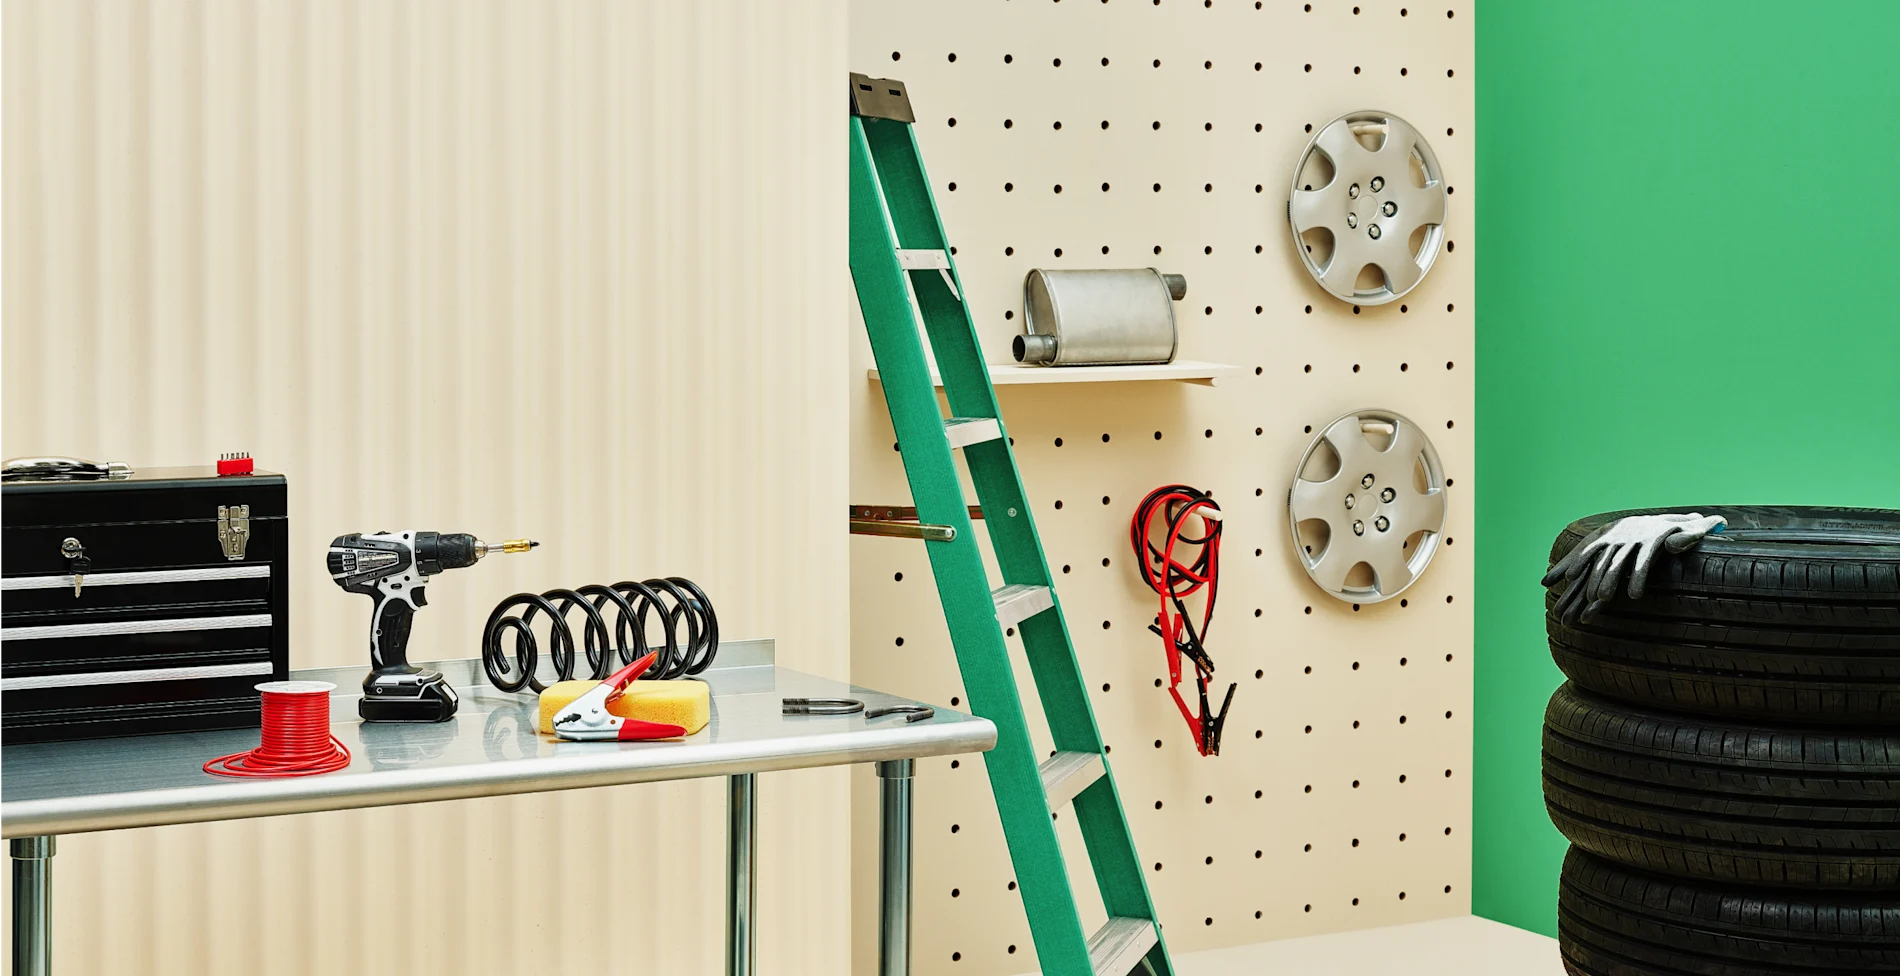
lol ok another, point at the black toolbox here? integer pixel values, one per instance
(182, 610)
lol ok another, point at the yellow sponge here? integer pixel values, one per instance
(684, 703)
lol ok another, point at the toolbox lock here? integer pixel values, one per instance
(234, 530)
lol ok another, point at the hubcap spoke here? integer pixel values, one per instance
(1401, 272)
(1319, 208)
(1388, 564)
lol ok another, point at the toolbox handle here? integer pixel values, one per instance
(60, 468)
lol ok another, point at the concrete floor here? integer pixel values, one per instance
(1465, 946)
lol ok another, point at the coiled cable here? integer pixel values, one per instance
(295, 735)
(670, 602)
(1176, 506)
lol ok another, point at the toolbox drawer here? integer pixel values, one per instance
(181, 612)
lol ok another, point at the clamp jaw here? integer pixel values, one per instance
(1184, 642)
(587, 718)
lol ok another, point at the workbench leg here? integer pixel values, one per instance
(893, 916)
(33, 905)
(742, 880)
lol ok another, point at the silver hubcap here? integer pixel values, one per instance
(1371, 507)
(1371, 207)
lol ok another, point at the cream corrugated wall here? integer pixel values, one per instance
(570, 270)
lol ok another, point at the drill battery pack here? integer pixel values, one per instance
(153, 602)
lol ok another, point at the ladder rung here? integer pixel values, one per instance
(964, 431)
(1067, 773)
(1020, 601)
(1118, 947)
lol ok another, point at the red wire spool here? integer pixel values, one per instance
(296, 735)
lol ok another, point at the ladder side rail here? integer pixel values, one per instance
(969, 611)
(1016, 543)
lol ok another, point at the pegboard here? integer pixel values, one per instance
(1130, 133)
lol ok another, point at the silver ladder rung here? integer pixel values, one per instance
(1067, 773)
(920, 259)
(964, 431)
(1118, 947)
(1020, 601)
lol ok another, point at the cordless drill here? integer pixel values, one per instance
(393, 568)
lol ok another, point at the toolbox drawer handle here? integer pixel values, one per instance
(91, 678)
(144, 576)
(117, 627)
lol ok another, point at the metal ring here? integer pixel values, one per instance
(1371, 207)
(1372, 507)
(527, 650)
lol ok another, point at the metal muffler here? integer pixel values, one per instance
(1099, 318)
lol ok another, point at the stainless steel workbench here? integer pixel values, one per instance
(491, 748)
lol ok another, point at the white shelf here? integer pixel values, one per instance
(1180, 371)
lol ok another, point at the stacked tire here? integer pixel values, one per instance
(1725, 758)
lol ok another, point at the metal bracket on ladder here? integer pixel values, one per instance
(912, 259)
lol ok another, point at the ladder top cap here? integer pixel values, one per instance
(880, 98)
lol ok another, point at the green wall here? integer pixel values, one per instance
(1688, 270)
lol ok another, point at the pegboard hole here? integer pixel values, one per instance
(896, 56)
(955, 701)
(1058, 504)
(956, 892)
(956, 763)
(1355, 69)
(1104, 625)
(1401, 777)
(1309, 610)
(1309, 309)
(1058, 126)
(1104, 686)
(1008, 59)
(1401, 720)
(1009, 188)
(954, 828)
(1355, 842)
(956, 957)
(1157, 746)
(900, 642)
(1309, 69)
(1309, 908)
(1309, 730)
(1104, 438)
(1012, 886)
(1104, 562)
(1401, 72)
(953, 123)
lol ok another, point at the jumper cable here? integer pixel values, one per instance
(1175, 581)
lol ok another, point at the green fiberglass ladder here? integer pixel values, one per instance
(898, 252)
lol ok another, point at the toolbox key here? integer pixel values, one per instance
(77, 562)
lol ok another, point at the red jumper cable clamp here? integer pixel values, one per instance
(588, 720)
(1174, 581)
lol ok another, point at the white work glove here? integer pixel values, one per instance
(1595, 567)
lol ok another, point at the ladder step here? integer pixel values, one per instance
(1067, 773)
(1119, 946)
(1020, 601)
(964, 431)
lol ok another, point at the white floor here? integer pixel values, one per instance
(1466, 946)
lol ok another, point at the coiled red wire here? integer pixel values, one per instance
(296, 736)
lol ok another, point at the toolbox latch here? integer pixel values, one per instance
(234, 530)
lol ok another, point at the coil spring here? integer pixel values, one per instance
(674, 600)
